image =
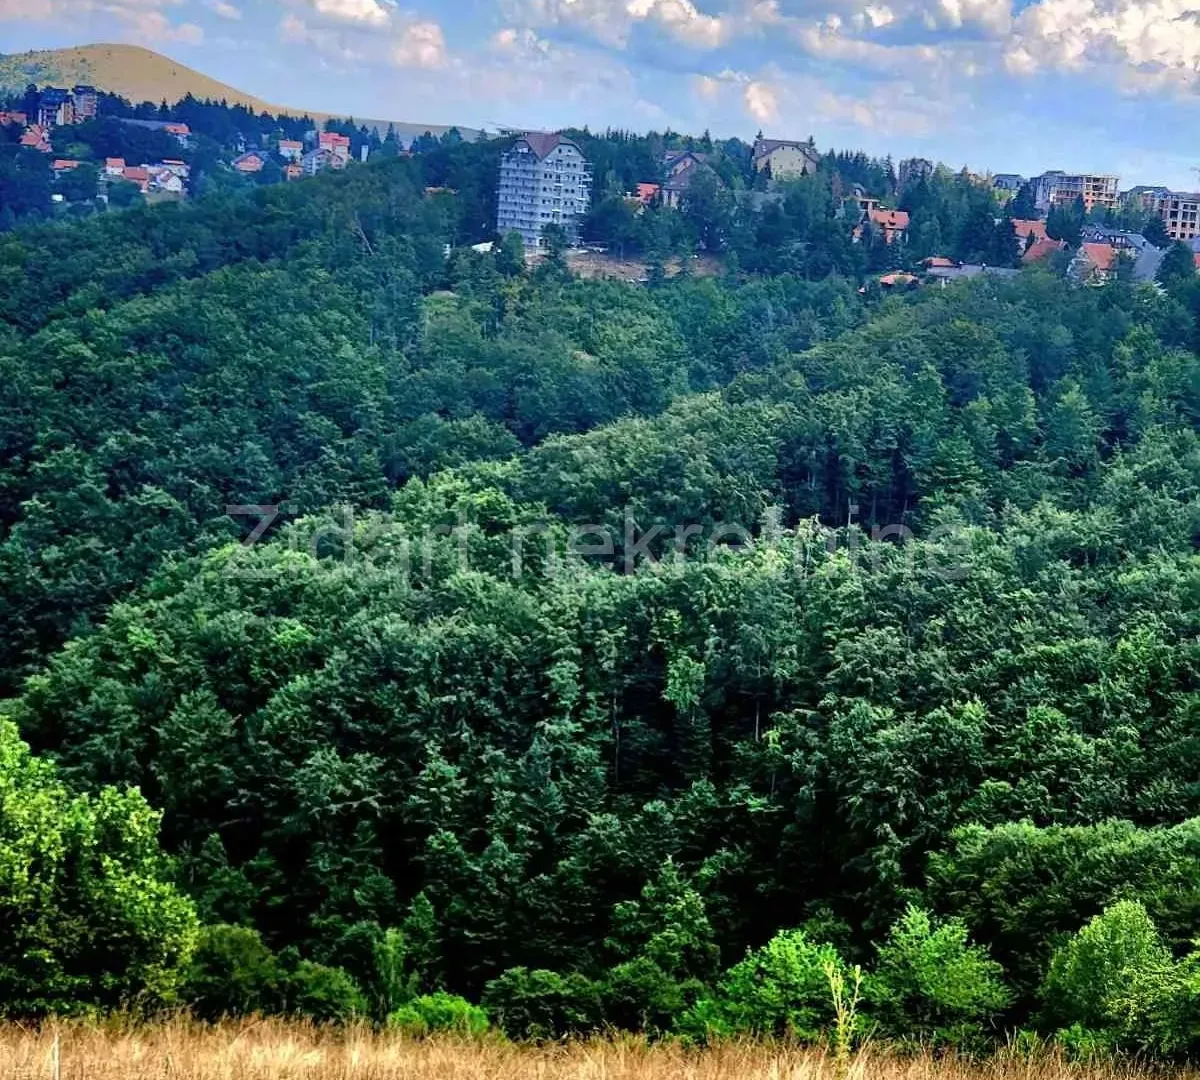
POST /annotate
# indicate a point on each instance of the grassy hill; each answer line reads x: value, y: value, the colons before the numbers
x: 144, y: 75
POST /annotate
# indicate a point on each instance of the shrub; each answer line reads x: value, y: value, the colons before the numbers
x: 1117, y: 981
x: 542, y: 1004
x: 439, y: 1012
x: 324, y: 994
x: 89, y: 914
x: 931, y: 983
x: 782, y: 989
x: 232, y: 973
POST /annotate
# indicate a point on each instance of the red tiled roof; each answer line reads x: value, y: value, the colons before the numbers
x: 1102, y: 256
x: 889, y: 219
x: 177, y: 129
x: 114, y: 163
x: 1039, y: 249
x: 136, y: 173
x: 646, y: 192
x: 1023, y: 227
x: 939, y: 261
x: 898, y: 278
x: 64, y: 164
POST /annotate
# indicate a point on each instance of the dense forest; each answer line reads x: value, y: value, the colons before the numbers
x: 456, y: 642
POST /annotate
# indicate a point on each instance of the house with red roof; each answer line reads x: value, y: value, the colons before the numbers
x: 250, y: 162
x: 646, y: 193
x: 1041, y: 249
x: 1094, y: 263
x: 35, y: 138
x: 114, y: 166
x: 1027, y: 227
x: 137, y: 174
x: 892, y: 224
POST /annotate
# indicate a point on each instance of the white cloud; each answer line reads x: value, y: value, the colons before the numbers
x: 612, y: 21
x: 362, y: 12
x: 420, y: 45
x: 225, y: 10
x: 1158, y: 41
x: 761, y: 102
x: 144, y: 20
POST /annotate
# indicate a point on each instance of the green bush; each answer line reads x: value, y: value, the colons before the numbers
x: 90, y: 917
x: 440, y: 1011
x: 1117, y: 981
x: 232, y: 973
x: 931, y: 983
x: 542, y: 1004
x: 782, y: 989
x: 324, y: 994
x: 639, y: 995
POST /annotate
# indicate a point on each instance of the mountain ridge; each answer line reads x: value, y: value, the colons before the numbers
x: 142, y: 74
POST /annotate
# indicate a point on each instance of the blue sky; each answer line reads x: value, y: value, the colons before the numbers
x: 999, y: 85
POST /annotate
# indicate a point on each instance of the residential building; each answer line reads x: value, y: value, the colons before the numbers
x: 913, y: 169
x: 179, y: 168
x: 784, y: 159
x: 338, y: 145
x: 1010, y: 182
x: 137, y: 174
x: 1094, y: 263
x: 681, y: 168
x: 62, y: 165
x: 14, y: 117
x: 646, y: 193
x: 250, y: 162
x: 892, y: 225
x: 85, y: 101
x: 1180, y: 213
x: 544, y: 180
x: 320, y: 159
x: 1056, y: 188
x: 1146, y: 257
x: 1041, y: 249
x: 1027, y: 227
x: 35, y: 138
x: 967, y: 271
x: 55, y: 108
x: 164, y: 180
x: 293, y: 171
x: 1145, y: 197
x: 291, y: 149
x: 114, y: 166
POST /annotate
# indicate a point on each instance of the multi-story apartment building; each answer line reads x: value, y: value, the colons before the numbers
x: 544, y: 180
x: 1181, y: 214
x: 85, y: 99
x: 1055, y: 188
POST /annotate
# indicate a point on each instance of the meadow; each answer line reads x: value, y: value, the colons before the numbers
x: 282, y: 1050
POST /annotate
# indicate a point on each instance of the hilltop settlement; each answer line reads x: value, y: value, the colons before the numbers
x: 78, y: 150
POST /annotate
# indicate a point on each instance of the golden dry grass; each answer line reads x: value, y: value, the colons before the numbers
x: 273, y: 1050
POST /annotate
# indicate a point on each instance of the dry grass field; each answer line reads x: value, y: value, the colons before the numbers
x: 271, y: 1050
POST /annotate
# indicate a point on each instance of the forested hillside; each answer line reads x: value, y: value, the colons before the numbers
x: 645, y: 657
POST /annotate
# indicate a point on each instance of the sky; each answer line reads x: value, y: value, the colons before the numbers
x: 996, y: 85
